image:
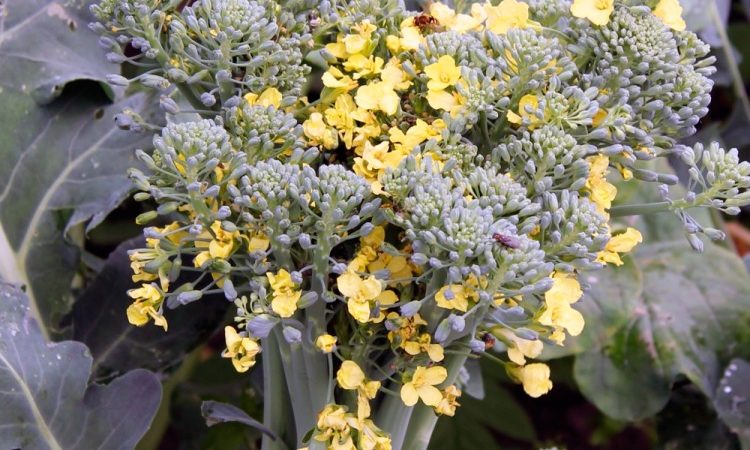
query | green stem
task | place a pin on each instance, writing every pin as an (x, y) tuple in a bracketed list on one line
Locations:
[(737, 80), (423, 418), (297, 380), (276, 411), (163, 59), (639, 209), (155, 434), (393, 417), (305, 368)]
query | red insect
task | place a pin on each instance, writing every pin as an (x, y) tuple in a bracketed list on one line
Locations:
[(424, 21), (508, 241)]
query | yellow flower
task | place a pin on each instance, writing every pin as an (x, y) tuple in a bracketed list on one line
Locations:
[(558, 311), (318, 133), (269, 97), (597, 11), (530, 102), (393, 43), (621, 243), (398, 266), (335, 79), (508, 14), (670, 12), (326, 343), (465, 22), (285, 293), (599, 117), (355, 43), (395, 76), (258, 242), (415, 135), (360, 292), (351, 377), (407, 328), (446, 101), (340, 117), (220, 246), (139, 259), (147, 306), (535, 378), (241, 349), (411, 37), (337, 49), (375, 239), (363, 66), (378, 96), (375, 159), (442, 74), (424, 344), (280, 280), (334, 428), (602, 192), (422, 386), (449, 402), (443, 13), (369, 128), (518, 349), (372, 438), (456, 22), (284, 303), (461, 296)]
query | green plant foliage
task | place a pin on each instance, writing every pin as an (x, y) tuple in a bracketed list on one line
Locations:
[(46, 401), (478, 423), (732, 396), (63, 165), (44, 44), (684, 317), (98, 321)]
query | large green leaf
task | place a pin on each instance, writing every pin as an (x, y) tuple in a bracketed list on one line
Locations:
[(732, 397), (62, 165), (474, 428), (687, 319), (99, 321), (46, 403), (45, 44)]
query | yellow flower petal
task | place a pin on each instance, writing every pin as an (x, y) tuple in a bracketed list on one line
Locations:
[(442, 74), (670, 12), (326, 343), (430, 395), (409, 394), (350, 376), (597, 11)]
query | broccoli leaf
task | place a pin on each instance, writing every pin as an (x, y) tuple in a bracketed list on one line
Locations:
[(46, 401), (44, 44)]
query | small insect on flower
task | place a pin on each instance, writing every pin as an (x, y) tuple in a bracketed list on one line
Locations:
[(425, 22), (508, 241), (489, 341)]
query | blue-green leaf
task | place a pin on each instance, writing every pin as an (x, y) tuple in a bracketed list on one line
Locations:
[(63, 165), (44, 44), (47, 402)]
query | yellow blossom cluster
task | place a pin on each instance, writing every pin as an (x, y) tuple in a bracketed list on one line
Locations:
[(285, 294), (497, 19), (599, 12), (241, 349), (338, 429)]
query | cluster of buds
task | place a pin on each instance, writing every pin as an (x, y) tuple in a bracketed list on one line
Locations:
[(436, 202)]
